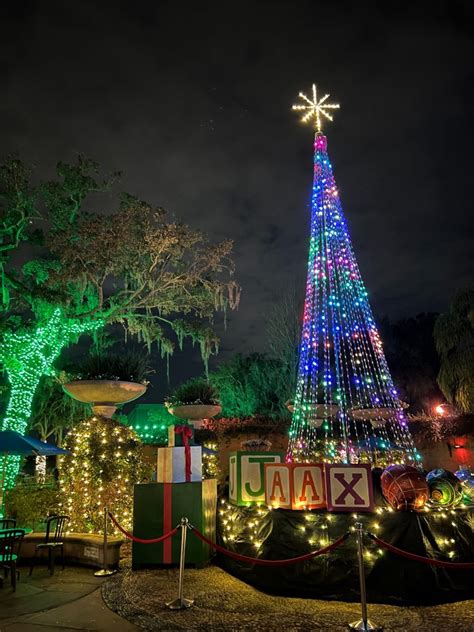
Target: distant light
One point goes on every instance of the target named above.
(440, 409)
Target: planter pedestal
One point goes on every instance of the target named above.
(104, 395)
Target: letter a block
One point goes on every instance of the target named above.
(278, 485)
(246, 476)
(349, 487)
(308, 486)
(295, 486)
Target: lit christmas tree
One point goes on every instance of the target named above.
(105, 464)
(346, 406)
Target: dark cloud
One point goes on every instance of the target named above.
(192, 101)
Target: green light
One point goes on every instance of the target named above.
(27, 355)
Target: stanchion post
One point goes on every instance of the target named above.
(181, 603)
(104, 571)
(364, 624)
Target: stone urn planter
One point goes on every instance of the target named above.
(378, 415)
(315, 423)
(322, 411)
(256, 445)
(196, 413)
(104, 395)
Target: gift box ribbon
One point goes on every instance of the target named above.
(186, 433)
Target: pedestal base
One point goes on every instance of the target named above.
(368, 626)
(180, 604)
(104, 573)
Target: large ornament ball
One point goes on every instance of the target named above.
(445, 488)
(439, 472)
(466, 479)
(379, 499)
(443, 493)
(404, 487)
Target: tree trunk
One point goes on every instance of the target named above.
(40, 469)
(27, 356)
(18, 412)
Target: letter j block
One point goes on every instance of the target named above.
(247, 476)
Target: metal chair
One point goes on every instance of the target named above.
(53, 540)
(7, 523)
(10, 544)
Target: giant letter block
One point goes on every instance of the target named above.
(349, 487)
(295, 486)
(246, 476)
(308, 486)
(278, 485)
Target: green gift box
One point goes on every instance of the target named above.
(159, 507)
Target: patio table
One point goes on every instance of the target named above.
(27, 530)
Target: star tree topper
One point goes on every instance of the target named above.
(315, 108)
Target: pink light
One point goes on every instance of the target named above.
(320, 142)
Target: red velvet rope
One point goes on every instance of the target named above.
(141, 540)
(259, 562)
(420, 558)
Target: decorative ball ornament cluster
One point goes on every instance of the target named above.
(466, 478)
(105, 464)
(404, 487)
(445, 488)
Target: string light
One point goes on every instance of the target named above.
(26, 356)
(210, 461)
(314, 108)
(346, 407)
(249, 526)
(91, 478)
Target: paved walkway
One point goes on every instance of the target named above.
(70, 600)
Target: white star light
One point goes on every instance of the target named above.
(315, 108)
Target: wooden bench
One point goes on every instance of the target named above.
(84, 549)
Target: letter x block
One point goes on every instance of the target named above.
(349, 487)
(295, 486)
(246, 476)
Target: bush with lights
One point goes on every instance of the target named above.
(105, 464)
(210, 461)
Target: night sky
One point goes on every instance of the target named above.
(193, 102)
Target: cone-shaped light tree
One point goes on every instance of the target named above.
(346, 406)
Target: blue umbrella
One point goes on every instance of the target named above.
(12, 442)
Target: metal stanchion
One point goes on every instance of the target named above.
(364, 624)
(104, 571)
(181, 603)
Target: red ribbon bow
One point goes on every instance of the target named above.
(186, 432)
